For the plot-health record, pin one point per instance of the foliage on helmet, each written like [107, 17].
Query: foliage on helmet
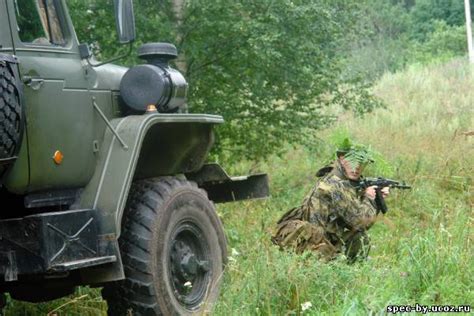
[355, 153]
[341, 141]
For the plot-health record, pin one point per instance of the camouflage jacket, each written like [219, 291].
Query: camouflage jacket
[335, 204]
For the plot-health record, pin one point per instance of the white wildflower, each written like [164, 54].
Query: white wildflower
[444, 230]
[235, 253]
[305, 306]
[188, 285]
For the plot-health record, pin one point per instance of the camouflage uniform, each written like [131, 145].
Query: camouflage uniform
[333, 218]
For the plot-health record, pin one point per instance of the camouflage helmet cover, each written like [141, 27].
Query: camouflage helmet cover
[354, 153]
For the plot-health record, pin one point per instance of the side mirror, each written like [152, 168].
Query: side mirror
[125, 20]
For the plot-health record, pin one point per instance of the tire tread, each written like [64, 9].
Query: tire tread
[10, 114]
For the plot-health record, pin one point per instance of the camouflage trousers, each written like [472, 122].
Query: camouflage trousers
[300, 236]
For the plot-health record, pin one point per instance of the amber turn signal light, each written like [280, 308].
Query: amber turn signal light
[58, 157]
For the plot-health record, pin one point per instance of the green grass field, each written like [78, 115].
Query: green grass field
[422, 249]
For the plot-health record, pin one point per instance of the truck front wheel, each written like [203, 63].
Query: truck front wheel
[173, 249]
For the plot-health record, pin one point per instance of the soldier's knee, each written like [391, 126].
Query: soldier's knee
[358, 246]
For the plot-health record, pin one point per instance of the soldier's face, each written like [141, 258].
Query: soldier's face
[352, 171]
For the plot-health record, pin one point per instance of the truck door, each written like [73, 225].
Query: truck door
[6, 45]
[59, 111]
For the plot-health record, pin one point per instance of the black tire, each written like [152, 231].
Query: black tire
[11, 115]
[171, 235]
[3, 302]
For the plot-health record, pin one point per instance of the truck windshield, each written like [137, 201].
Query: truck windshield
[38, 22]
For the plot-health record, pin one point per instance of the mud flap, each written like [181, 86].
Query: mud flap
[222, 188]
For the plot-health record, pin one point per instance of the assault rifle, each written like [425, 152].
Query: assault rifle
[381, 183]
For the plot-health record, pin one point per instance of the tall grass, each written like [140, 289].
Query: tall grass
[422, 248]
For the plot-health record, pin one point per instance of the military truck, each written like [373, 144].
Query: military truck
[103, 172]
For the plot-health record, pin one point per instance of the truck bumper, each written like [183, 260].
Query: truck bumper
[51, 243]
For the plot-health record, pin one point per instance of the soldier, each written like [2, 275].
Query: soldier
[335, 216]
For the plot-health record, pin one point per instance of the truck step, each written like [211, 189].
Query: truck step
[78, 264]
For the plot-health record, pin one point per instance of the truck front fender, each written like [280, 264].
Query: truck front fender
[144, 146]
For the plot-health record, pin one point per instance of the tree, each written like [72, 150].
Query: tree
[270, 67]
[426, 12]
[396, 33]
[381, 42]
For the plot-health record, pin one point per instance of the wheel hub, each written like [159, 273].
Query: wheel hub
[189, 265]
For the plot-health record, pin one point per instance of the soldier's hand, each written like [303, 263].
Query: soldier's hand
[385, 192]
[370, 192]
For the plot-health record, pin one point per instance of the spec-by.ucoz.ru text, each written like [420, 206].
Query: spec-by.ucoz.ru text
[424, 309]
